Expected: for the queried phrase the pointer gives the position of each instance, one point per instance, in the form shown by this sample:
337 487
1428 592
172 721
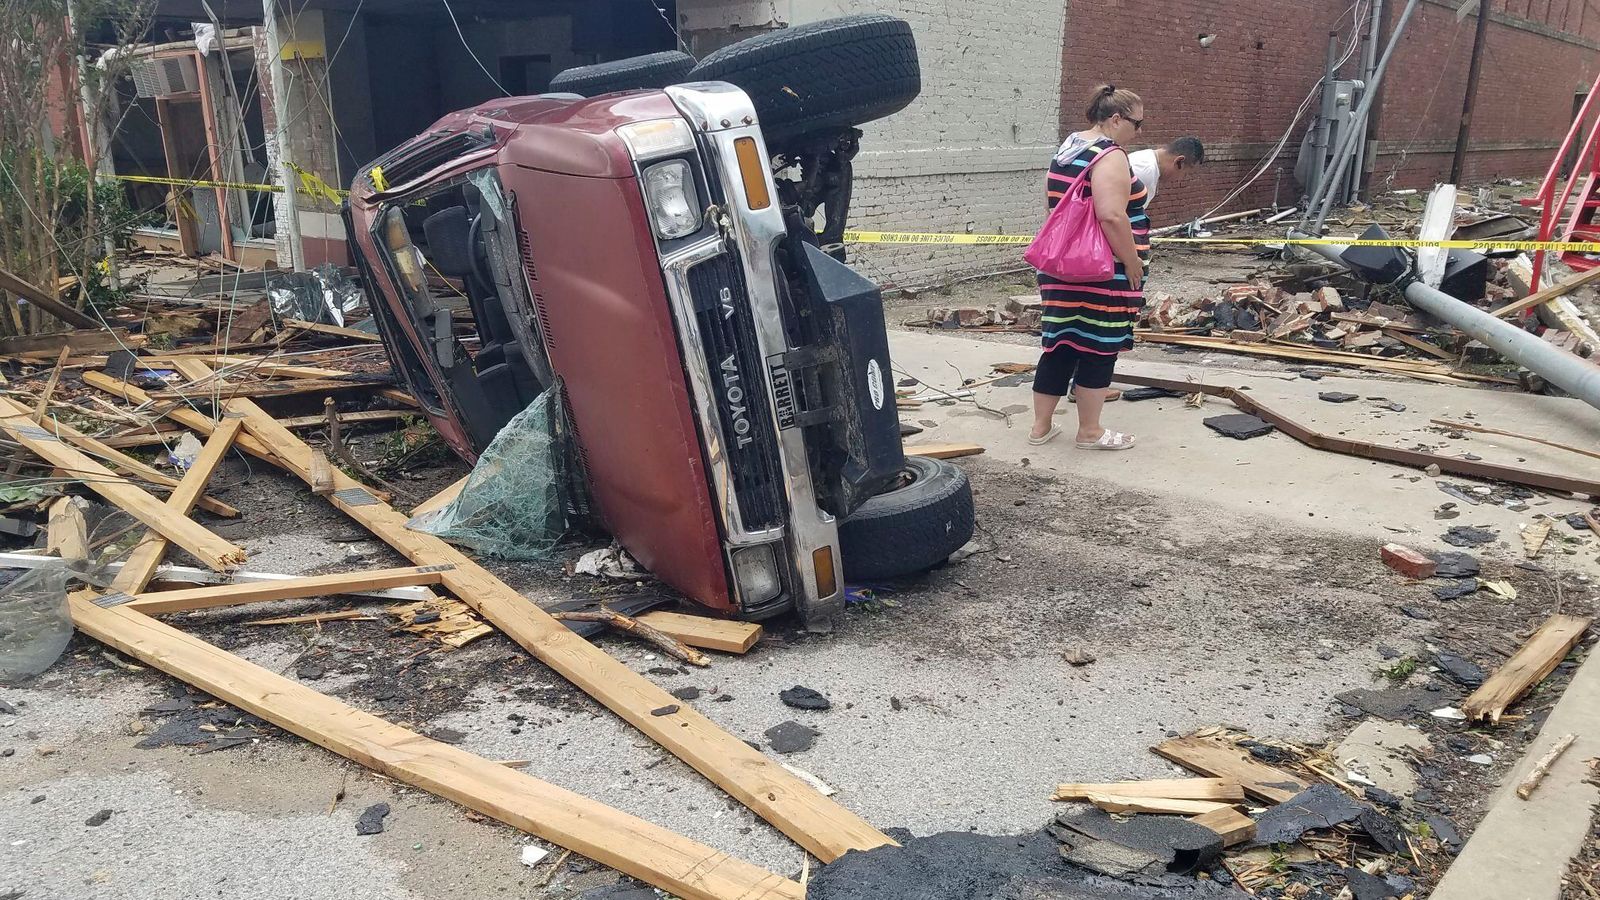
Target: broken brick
1407 561
1328 298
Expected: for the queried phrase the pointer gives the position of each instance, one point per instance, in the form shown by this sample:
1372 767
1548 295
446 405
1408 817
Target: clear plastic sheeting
325 295
524 495
35 624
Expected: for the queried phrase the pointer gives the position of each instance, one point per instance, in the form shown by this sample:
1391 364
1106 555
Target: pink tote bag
1071 245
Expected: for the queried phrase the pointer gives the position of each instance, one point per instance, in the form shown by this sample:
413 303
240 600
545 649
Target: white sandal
1045 438
1109 440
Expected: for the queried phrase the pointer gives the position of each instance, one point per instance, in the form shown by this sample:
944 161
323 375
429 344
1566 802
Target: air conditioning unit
165 75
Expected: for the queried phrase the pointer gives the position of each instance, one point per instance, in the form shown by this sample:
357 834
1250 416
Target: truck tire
910 528
653 70
821 76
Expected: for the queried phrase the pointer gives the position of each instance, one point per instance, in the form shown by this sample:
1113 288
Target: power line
468 48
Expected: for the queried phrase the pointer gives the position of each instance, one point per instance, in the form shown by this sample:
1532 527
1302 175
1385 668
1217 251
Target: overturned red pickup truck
648 237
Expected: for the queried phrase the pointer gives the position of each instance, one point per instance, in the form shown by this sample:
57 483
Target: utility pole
289 210
1459 164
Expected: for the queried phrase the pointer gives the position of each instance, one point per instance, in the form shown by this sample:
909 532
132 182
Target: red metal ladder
1562 219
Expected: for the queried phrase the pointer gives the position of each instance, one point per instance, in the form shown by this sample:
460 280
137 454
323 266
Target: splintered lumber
437 501
1539 298
706 633
1114 804
68 537
14 284
821 826
43 405
1220 759
1334 443
1420 344
195 421
334 330
1527 667
291 589
1534 536
321 480
348 418
343 615
1468 426
945 451
205 546
146 556
1168 788
101 339
648 852
1542 767
666 643
1233 826
267 388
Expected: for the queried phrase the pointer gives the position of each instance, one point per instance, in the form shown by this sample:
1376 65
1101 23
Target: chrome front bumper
720 114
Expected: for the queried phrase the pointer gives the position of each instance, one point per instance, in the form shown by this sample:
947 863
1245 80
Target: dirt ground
955 707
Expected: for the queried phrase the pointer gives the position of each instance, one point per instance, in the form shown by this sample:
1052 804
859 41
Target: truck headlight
669 193
755 569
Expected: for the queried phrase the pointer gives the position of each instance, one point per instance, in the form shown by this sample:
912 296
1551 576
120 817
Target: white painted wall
970 154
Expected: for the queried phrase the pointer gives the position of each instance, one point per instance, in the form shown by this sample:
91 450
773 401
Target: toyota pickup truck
664 239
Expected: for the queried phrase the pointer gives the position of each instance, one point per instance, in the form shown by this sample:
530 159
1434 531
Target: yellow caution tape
378 181
913 237
310 184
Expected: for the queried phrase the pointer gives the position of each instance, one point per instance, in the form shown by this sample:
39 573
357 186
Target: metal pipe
290 208
1319 141
1341 154
1369 64
1576 376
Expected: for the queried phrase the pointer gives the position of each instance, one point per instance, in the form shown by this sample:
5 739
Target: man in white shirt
1165 166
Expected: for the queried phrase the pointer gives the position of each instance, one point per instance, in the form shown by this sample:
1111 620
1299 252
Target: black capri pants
1059 368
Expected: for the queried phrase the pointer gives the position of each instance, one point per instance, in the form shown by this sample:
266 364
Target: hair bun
1109 89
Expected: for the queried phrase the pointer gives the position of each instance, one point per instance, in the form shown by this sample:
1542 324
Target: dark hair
1108 100
1188 147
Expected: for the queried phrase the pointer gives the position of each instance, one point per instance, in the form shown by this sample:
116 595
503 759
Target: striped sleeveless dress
1094 317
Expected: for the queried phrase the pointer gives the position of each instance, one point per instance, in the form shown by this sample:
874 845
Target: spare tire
821 76
653 70
912 527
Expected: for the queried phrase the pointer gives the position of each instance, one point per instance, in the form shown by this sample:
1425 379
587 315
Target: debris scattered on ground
803 698
371 820
791 737
1238 425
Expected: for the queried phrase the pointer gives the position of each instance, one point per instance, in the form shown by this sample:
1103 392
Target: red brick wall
1239 94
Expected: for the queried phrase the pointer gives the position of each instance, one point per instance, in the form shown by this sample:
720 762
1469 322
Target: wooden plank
944 451
1482 429
68 536
104 339
206 547
348 418
705 632
1234 826
191 419
1527 667
1533 537
146 557
335 330
1420 344
316 618
43 405
138 468
1169 788
215 595
648 852
437 501
321 479
267 388
1219 759
1114 804
14 284
821 826
1539 298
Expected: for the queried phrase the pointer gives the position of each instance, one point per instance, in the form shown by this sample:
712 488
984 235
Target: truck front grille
722 313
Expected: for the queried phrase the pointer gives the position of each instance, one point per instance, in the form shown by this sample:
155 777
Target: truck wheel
821 76
653 70
911 527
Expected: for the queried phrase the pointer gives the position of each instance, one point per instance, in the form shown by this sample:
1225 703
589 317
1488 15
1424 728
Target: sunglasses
1136 123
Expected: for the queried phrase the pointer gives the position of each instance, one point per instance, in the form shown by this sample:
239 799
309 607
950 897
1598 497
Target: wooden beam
1527 667
648 852
1481 429
1170 788
43 405
705 632
212 596
1235 827
1219 759
1539 298
191 419
146 556
437 501
321 479
205 546
334 330
267 388
1420 344
68 536
103 339
1157 805
944 451
16 285
821 826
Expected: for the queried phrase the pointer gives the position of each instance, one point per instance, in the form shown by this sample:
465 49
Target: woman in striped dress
1087 325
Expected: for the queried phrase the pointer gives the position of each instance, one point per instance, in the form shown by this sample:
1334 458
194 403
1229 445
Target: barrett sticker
875 383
